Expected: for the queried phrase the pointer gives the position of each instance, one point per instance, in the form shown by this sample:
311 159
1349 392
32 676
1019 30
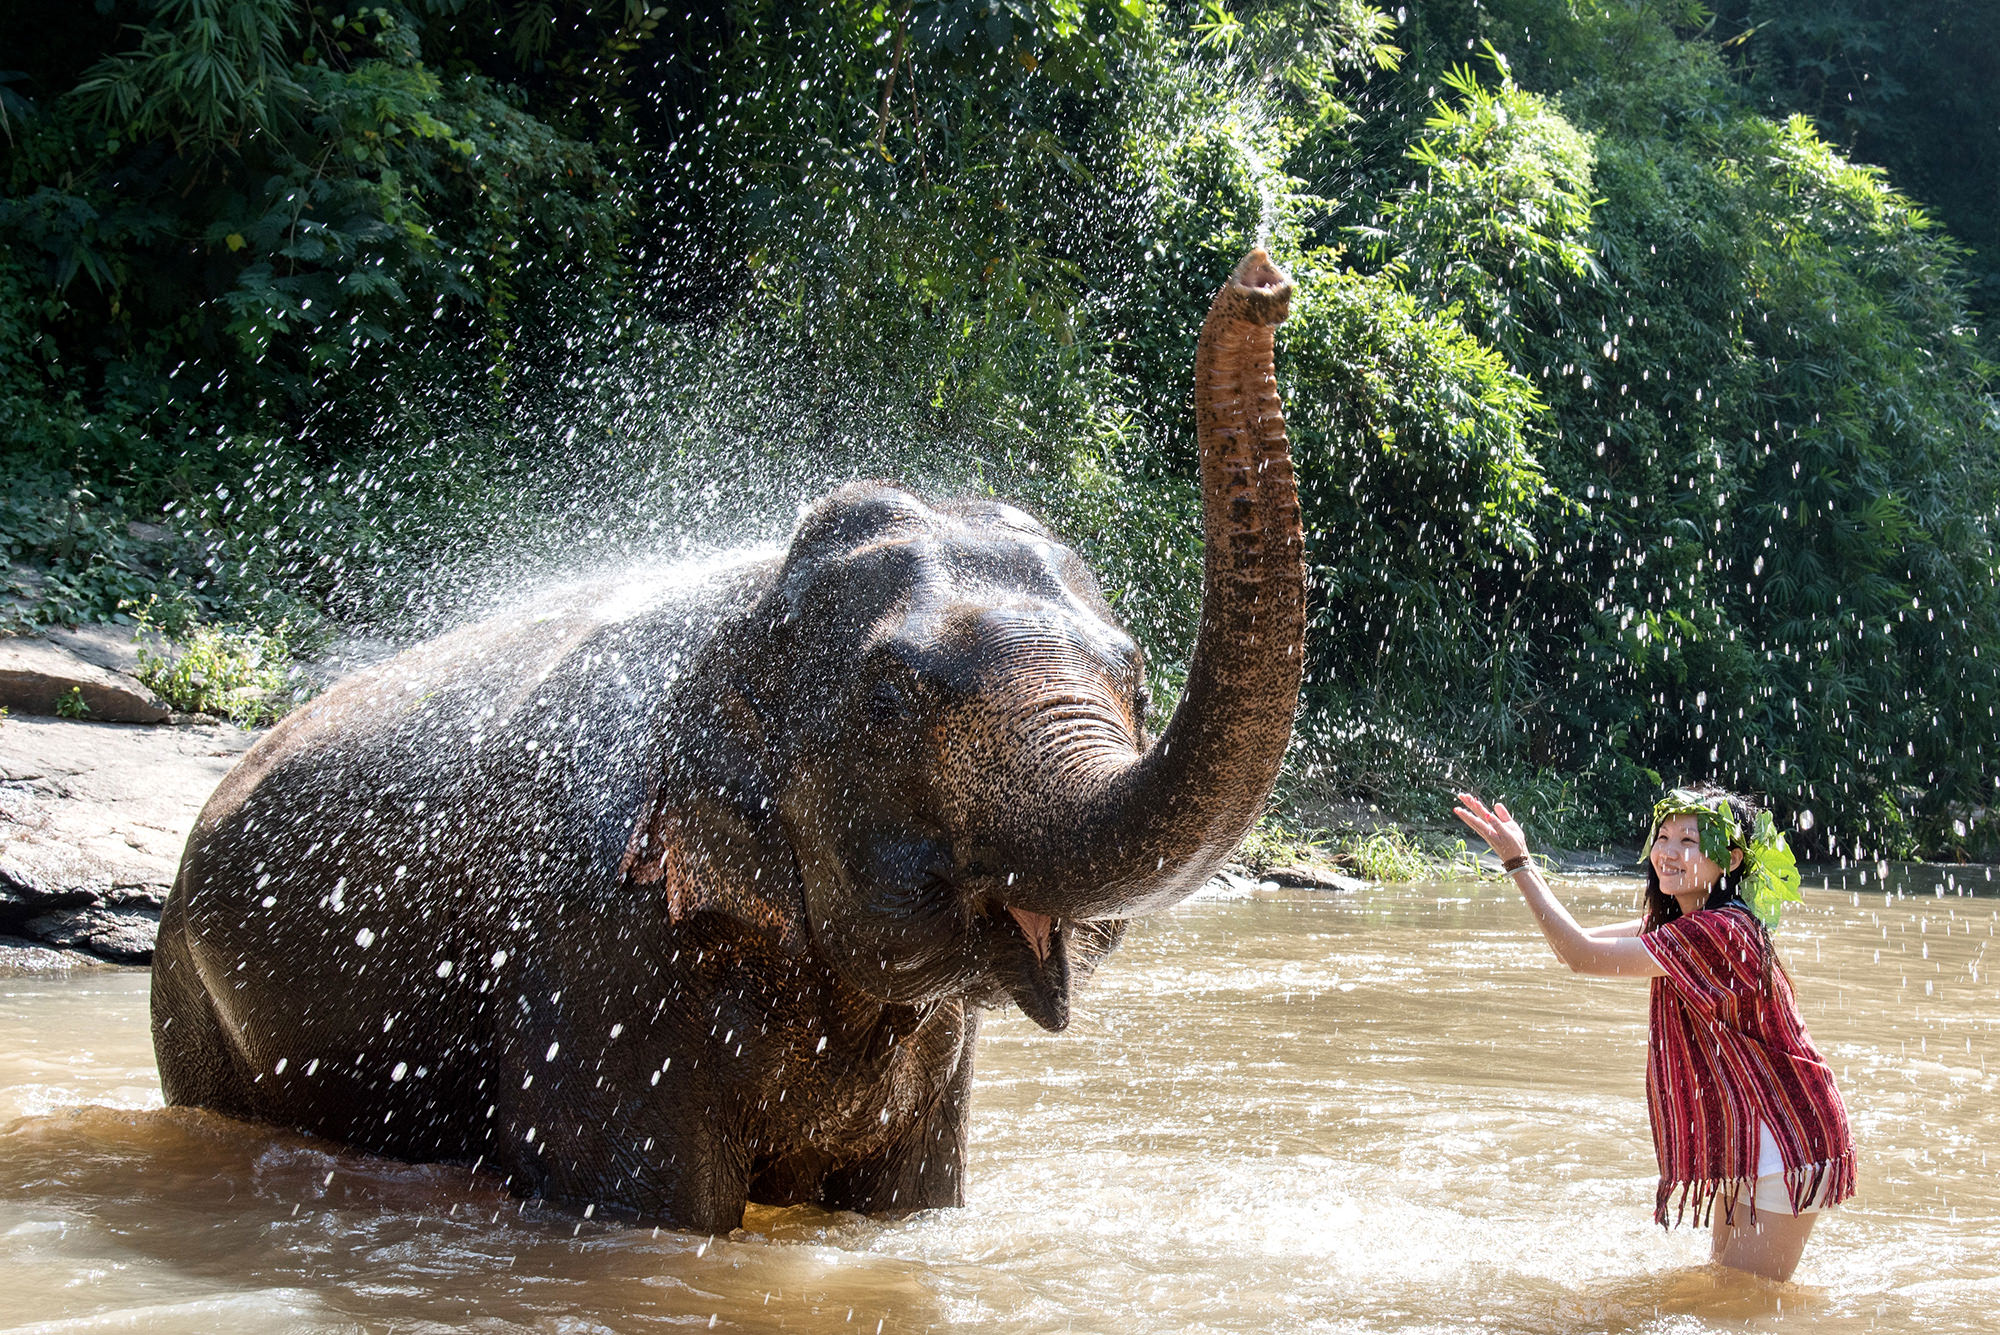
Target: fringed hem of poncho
1826 1183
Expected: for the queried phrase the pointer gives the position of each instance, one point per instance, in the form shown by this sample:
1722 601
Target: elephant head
922 753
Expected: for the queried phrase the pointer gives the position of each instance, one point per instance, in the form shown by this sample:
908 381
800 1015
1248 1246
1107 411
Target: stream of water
1292 1112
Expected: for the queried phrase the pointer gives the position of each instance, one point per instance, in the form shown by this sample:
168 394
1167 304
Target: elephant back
492 773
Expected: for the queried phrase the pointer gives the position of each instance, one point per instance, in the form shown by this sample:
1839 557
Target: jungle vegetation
1645 425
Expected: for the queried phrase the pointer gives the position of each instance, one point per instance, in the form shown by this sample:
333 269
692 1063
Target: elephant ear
707 838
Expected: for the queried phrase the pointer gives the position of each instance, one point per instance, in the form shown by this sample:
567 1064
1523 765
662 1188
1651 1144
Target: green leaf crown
1770 872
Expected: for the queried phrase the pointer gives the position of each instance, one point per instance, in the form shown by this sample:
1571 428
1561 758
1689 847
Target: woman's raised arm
1619 956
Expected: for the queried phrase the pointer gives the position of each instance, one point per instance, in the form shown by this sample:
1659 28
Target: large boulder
37 676
93 818
115 648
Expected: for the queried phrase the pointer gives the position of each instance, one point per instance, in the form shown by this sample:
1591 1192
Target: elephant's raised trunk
1150 833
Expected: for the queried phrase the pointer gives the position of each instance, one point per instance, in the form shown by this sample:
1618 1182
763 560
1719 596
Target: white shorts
1771 1192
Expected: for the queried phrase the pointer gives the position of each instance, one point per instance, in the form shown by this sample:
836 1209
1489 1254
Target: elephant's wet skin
666 899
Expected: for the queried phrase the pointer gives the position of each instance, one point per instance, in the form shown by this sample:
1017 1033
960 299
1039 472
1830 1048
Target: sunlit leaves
1500 218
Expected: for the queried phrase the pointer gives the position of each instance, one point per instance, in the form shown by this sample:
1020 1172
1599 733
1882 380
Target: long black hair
1662 908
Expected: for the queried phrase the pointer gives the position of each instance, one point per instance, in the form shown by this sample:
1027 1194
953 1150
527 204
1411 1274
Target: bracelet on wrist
1514 864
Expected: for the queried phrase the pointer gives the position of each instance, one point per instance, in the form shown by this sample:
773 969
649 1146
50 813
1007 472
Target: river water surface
1291 1112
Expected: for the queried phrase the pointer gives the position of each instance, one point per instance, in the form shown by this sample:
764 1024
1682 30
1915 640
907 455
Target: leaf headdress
1770 872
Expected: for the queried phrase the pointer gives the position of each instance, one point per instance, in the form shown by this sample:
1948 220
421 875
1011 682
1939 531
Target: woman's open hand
1619 956
1501 831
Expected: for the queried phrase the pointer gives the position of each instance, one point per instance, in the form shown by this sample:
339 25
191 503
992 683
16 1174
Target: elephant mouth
1039 980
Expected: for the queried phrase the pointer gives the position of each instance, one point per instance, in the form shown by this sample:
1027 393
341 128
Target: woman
1745 1114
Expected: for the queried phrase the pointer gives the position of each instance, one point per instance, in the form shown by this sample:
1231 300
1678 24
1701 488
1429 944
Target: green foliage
1389 855
1907 86
1415 441
1272 843
1299 54
73 705
71 552
1500 222
1771 414
206 75
1641 436
237 673
226 224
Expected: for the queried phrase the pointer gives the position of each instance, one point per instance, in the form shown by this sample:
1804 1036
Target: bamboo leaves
205 75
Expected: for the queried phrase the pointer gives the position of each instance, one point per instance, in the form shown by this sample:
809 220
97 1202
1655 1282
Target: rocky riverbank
93 810
92 820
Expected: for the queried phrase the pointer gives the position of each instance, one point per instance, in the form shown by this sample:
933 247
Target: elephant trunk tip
1263 288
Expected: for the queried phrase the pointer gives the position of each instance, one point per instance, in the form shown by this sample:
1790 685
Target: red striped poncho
1728 1049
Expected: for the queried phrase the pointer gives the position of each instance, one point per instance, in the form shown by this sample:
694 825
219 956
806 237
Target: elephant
659 898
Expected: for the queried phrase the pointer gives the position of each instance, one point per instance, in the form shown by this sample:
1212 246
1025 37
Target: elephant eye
885 702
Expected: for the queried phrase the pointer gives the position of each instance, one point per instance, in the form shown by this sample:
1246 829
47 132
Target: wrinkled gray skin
667 897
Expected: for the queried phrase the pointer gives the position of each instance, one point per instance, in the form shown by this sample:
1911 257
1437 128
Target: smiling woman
1744 1110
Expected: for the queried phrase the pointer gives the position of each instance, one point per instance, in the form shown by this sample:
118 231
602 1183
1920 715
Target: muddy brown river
1290 1112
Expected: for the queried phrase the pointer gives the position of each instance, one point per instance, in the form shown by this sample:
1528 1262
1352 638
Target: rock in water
121 933
1314 876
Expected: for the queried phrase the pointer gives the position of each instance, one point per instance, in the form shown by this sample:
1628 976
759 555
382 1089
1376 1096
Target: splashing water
1250 134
